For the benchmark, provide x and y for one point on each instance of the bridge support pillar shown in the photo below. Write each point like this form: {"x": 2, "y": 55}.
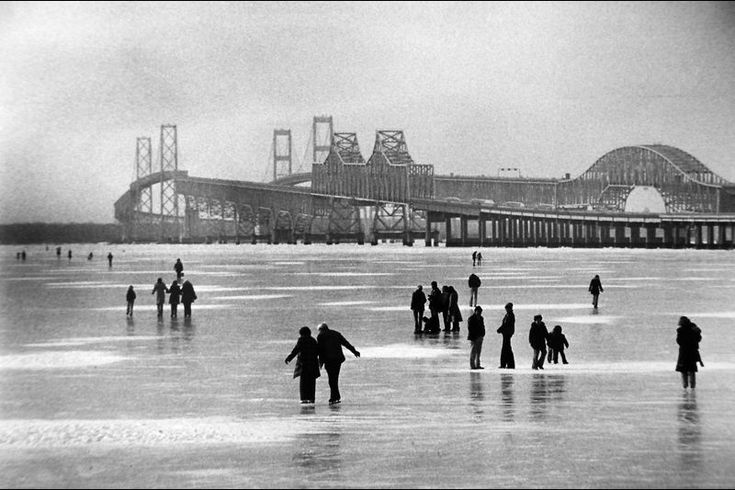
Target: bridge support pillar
{"x": 427, "y": 232}
{"x": 619, "y": 235}
{"x": 651, "y": 241}
{"x": 481, "y": 229}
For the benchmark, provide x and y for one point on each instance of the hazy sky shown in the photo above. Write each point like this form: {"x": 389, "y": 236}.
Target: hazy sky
{"x": 546, "y": 87}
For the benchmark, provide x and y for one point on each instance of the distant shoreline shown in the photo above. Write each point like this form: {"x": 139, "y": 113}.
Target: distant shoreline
{"x": 27, "y": 233}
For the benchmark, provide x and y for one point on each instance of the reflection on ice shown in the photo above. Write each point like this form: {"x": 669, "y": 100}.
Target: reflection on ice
{"x": 402, "y": 351}
{"x": 90, "y": 340}
{"x": 57, "y": 360}
{"x": 595, "y": 319}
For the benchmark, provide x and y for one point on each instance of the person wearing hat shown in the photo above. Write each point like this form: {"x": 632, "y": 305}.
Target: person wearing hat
{"x": 476, "y": 334}
{"x": 330, "y": 344}
{"x": 537, "y": 338}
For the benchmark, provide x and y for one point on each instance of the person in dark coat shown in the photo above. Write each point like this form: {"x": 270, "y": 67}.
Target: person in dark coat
{"x": 474, "y": 283}
{"x": 479, "y": 259}
{"x": 507, "y": 329}
{"x": 174, "y": 297}
{"x": 474, "y": 258}
{"x": 476, "y": 334}
{"x": 431, "y": 325}
{"x": 109, "y": 259}
{"x": 418, "y": 300}
{"x": 130, "y": 298}
{"x": 307, "y": 364}
{"x": 537, "y": 338}
{"x": 454, "y": 311}
{"x": 595, "y": 289}
{"x": 688, "y": 336}
{"x": 160, "y": 290}
{"x": 434, "y": 300}
{"x": 330, "y": 344}
{"x": 179, "y": 268}
{"x": 557, "y": 341}
{"x": 187, "y": 297}
{"x": 446, "y": 298}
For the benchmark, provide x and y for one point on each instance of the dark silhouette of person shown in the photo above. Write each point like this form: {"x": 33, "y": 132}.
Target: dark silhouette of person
{"x": 557, "y": 341}
{"x": 17, "y": 256}
{"x": 476, "y": 334}
{"x": 69, "y": 254}
{"x": 58, "y": 252}
{"x": 474, "y": 283}
{"x": 595, "y": 289}
{"x": 188, "y": 296}
{"x": 174, "y": 297}
{"x": 23, "y": 255}
{"x": 90, "y": 256}
{"x": 474, "y": 258}
{"x": 109, "y": 259}
{"x": 330, "y": 344}
{"x": 507, "y": 329}
{"x": 179, "y": 268}
{"x": 537, "y": 338}
{"x": 160, "y": 290}
{"x": 130, "y": 298}
{"x": 307, "y": 364}
{"x": 454, "y": 311}
{"x": 479, "y": 259}
{"x": 418, "y": 300}
{"x": 434, "y": 300}
{"x": 431, "y": 325}
{"x": 688, "y": 336}
{"x": 445, "y": 299}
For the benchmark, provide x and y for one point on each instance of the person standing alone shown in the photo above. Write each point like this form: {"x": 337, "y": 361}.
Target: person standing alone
{"x": 474, "y": 283}
{"x": 476, "y": 334}
{"x": 507, "y": 329}
{"x": 330, "y": 344}
{"x": 688, "y": 336}
{"x": 130, "y": 297}
{"x": 595, "y": 289}
{"x": 179, "y": 268}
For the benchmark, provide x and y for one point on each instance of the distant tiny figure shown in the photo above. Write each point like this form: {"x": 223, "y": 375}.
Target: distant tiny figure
{"x": 474, "y": 283}
{"x": 330, "y": 344}
{"x": 479, "y": 259}
{"x": 188, "y": 296}
{"x": 69, "y": 254}
{"x": 476, "y": 334}
{"x": 130, "y": 297}
{"x": 688, "y": 336}
{"x": 557, "y": 341}
{"x": 174, "y": 297}
{"x": 537, "y": 338}
{"x": 418, "y": 300}
{"x": 109, "y": 259}
{"x": 435, "y": 300}
{"x": 17, "y": 256}
{"x": 58, "y": 252}
{"x": 90, "y": 256}
{"x": 307, "y": 364}
{"x": 160, "y": 290}
{"x": 23, "y": 255}
{"x": 595, "y": 289}
{"x": 474, "y": 258}
{"x": 179, "y": 268}
{"x": 455, "y": 313}
{"x": 507, "y": 329}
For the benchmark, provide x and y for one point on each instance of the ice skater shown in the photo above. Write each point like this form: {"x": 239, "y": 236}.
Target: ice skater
{"x": 557, "y": 341}
{"x": 507, "y": 329}
{"x": 476, "y": 334}
{"x": 330, "y": 344}
{"x": 595, "y": 289}
{"x": 688, "y": 336}
{"x": 418, "y": 300}
{"x": 307, "y": 364}
{"x": 130, "y": 298}
{"x": 160, "y": 290}
{"x": 537, "y": 338}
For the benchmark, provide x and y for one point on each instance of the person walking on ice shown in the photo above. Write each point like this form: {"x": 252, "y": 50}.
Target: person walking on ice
{"x": 330, "y": 344}
{"x": 557, "y": 341}
{"x": 595, "y": 289}
{"x": 130, "y": 298}
{"x": 307, "y": 364}
{"x": 688, "y": 336}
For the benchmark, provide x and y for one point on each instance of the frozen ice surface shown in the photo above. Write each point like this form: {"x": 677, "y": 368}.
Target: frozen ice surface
{"x": 90, "y": 398}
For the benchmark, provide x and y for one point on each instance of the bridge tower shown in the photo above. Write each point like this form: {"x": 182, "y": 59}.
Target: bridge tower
{"x": 143, "y": 206}
{"x": 169, "y": 199}
{"x": 282, "y": 160}
{"x": 322, "y": 132}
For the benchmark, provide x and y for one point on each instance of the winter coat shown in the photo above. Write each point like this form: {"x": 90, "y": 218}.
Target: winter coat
{"x": 537, "y": 335}
{"x": 508, "y": 327}
{"x": 474, "y": 281}
{"x": 688, "y": 339}
{"x": 557, "y": 341}
{"x": 174, "y": 294}
{"x": 444, "y": 301}
{"x": 435, "y": 299}
{"x": 595, "y": 286}
{"x": 454, "y": 305}
{"x": 160, "y": 289}
{"x": 418, "y": 300}
{"x": 187, "y": 292}
{"x": 475, "y": 327}
{"x": 330, "y": 344}
{"x": 308, "y": 357}
{"x": 130, "y": 296}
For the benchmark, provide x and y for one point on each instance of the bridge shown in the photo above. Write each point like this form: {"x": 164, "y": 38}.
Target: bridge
{"x": 389, "y": 196}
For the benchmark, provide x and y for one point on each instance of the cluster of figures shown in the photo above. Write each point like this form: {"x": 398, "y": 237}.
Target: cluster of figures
{"x": 313, "y": 354}
{"x": 183, "y": 294}
{"x": 538, "y": 338}
{"x": 444, "y": 302}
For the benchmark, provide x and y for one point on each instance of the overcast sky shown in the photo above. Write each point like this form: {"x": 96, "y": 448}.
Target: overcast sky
{"x": 546, "y": 87}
